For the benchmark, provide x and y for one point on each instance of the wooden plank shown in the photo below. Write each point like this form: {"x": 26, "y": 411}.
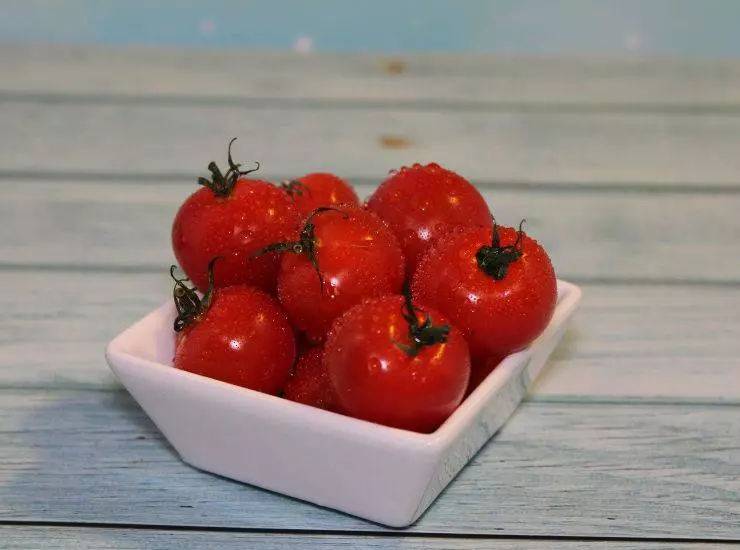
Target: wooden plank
{"x": 590, "y": 236}
{"x": 661, "y": 343}
{"x": 596, "y": 149}
{"x": 483, "y": 80}
{"x": 55, "y": 538}
{"x": 554, "y": 470}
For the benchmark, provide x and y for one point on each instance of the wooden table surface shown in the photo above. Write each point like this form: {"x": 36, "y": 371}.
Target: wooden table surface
{"x": 627, "y": 170}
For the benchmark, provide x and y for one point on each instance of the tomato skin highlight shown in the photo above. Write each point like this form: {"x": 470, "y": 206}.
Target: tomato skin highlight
{"x": 376, "y": 380}
{"x": 319, "y": 189}
{"x": 243, "y": 338}
{"x": 421, "y": 203}
{"x": 358, "y": 258}
{"x": 497, "y": 317}
{"x": 255, "y": 214}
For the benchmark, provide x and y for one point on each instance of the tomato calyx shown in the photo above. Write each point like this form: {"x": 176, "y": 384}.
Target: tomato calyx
{"x": 306, "y": 243}
{"x": 421, "y": 334}
{"x": 494, "y": 260}
{"x": 222, "y": 184}
{"x": 295, "y": 188}
{"x": 190, "y": 306}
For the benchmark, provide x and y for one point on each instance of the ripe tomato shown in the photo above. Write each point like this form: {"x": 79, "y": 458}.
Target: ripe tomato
{"x": 319, "y": 189}
{"x": 396, "y": 365}
{"x": 497, "y": 286}
{"x": 309, "y": 384}
{"x": 421, "y": 203}
{"x": 480, "y": 369}
{"x": 341, "y": 258}
{"x": 236, "y": 334}
{"x": 233, "y": 217}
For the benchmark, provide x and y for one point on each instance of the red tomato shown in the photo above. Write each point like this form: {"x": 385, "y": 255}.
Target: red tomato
{"x": 319, "y": 189}
{"x": 309, "y": 383}
{"x": 233, "y": 217}
{"x": 342, "y": 257}
{"x": 497, "y": 286}
{"x": 396, "y": 365}
{"x": 421, "y": 203}
{"x": 237, "y": 335}
{"x": 480, "y": 370}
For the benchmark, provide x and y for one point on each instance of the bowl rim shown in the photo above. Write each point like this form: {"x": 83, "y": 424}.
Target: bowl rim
{"x": 569, "y": 296}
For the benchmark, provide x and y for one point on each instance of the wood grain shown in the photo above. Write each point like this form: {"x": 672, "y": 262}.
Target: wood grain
{"x": 591, "y": 236}
{"x": 555, "y": 470}
{"x": 56, "y": 538}
{"x": 446, "y": 79}
{"x": 595, "y": 149}
{"x": 661, "y": 343}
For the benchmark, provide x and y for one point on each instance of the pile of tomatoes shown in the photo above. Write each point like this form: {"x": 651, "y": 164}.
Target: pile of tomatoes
{"x": 390, "y": 311}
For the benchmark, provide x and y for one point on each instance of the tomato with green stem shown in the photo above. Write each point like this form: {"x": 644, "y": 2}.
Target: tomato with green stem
{"x": 233, "y": 216}
{"x": 342, "y": 257}
{"x": 319, "y": 189}
{"x": 237, "y": 334}
{"x": 496, "y": 285}
{"x": 397, "y": 363}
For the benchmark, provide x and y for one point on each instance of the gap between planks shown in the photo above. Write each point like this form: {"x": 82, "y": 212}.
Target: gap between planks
{"x": 50, "y": 534}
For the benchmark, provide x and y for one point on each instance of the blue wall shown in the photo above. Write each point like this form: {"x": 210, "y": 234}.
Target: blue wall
{"x": 697, "y": 28}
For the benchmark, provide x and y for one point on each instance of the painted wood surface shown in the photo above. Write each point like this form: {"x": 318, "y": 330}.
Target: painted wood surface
{"x": 657, "y": 343}
{"x": 494, "y": 82}
{"x": 96, "y": 538}
{"x": 81, "y": 136}
{"x": 555, "y": 469}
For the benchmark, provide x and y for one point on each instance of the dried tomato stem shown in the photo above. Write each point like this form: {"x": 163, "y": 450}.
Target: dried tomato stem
{"x": 421, "y": 335}
{"x": 494, "y": 260}
{"x": 295, "y": 188}
{"x": 306, "y": 243}
{"x": 190, "y": 307}
{"x": 221, "y": 184}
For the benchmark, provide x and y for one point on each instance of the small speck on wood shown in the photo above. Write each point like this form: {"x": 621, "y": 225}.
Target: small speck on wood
{"x": 394, "y": 142}
{"x": 394, "y": 66}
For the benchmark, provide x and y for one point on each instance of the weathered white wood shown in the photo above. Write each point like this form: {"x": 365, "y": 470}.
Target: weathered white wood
{"x": 651, "y": 342}
{"x": 672, "y": 343}
{"x": 600, "y": 235}
{"x": 554, "y": 470}
{"x": 81, "y": 538}
{"x": 482, "y": 80}
{"x": 533, "y": 147}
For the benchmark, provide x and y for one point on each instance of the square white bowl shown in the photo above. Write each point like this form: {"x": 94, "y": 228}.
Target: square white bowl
{"x": 382, "y": 474}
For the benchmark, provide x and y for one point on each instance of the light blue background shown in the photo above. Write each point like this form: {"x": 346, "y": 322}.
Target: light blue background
{"x": 694, "y": 28}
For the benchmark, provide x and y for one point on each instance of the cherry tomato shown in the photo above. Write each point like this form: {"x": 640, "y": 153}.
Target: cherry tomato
{"x": 237, "y": 334}
{"x": 341, "y": 258}
{"x": 319, "y": 189}
{"x": 233, "y": 217}
{"x": 480, "y": 370}
{"x": 421, "y": 203}
{"x": 497, "y": 286}
{"x": 309, "y": 384}
{"x": 397, "y": 364}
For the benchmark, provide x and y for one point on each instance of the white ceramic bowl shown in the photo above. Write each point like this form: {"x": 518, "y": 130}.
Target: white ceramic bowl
{"x": 382, "y": 474}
